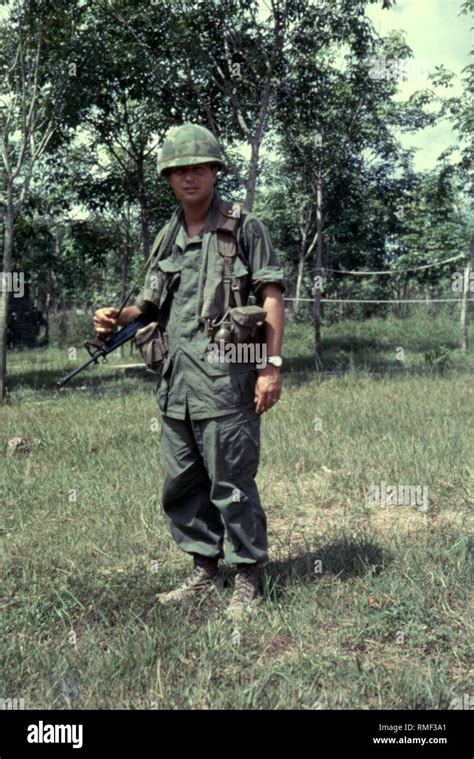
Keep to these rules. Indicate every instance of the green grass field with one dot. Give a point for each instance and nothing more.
(366, 605)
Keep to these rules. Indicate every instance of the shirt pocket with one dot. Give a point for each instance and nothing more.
(223, 368)
(243, 275)
(231, 384)
(170, 270)
(231, 391)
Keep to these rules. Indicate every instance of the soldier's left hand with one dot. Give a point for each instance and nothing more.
(267, 388)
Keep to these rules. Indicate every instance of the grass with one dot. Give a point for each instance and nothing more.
(365, 606)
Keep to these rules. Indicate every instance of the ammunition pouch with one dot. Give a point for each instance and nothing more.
(239, 325)
(246, 322)
(152, 342)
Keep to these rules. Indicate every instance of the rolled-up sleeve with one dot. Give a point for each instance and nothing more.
(262, 258)
(150, 292)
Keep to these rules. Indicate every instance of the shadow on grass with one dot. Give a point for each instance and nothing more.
(307, 372)
(302, 369)
(44, 380)
(125, 599)
(342, 354)
(344, 559)
(346, 353)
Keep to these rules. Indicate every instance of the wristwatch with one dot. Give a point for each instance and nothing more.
(275, 360)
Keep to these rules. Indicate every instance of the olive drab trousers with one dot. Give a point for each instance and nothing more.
(209, 495)
(210, 434)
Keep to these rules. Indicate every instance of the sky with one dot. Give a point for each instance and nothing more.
(437, 35)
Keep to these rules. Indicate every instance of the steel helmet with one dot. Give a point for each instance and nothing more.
(189, 144)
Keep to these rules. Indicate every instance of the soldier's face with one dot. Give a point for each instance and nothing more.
(193, 184)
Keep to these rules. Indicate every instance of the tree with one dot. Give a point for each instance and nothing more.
(338, 120)
(460, 111)
(29, 114)
(230, 59)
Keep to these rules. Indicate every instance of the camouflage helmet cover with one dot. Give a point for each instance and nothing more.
(189, 144)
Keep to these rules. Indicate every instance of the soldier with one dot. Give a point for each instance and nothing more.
(211, 412)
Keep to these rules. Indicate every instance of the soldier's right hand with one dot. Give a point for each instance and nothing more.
(105, 320)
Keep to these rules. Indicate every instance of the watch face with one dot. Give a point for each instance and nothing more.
(275, 360)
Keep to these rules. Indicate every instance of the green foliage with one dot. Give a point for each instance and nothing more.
(438, 358)
(121, 75)
(67, 328)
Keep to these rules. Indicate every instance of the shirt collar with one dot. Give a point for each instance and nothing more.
(182, 238)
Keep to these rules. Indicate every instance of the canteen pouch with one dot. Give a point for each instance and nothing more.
(152, 342)
(246, 322)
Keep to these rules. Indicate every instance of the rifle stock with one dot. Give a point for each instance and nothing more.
(110, 344)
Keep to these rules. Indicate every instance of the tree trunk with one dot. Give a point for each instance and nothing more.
(319, 263)
(125, 260)
(426, 290)
(397, 306)
(406, 296)
(9, 221)
(252, 176)
(299, 280)
(255, 144)
(144, 220)
(145, 229)
(52, 291)
(51, 299)
(340, 305)
(464, 301)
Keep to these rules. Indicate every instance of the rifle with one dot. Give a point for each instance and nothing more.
(105, 345)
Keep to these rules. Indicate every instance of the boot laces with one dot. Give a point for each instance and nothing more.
(245, 585)
(196, 575)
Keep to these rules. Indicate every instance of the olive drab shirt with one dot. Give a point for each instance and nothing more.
(188, 379)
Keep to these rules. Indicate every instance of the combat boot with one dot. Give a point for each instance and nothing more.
(205, 577)
(246, 595)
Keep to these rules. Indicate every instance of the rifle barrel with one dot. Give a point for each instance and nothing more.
(78, 369)
(109, 345)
